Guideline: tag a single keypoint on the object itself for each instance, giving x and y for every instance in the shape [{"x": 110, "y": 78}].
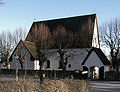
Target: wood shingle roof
[{"x": 31, "y": 47}]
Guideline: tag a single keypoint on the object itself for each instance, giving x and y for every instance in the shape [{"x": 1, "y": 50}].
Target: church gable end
[{"x": 98, "y": 55}]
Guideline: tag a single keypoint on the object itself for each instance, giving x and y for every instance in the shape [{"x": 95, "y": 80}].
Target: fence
[
  {"x": 112, "y": 75},
  {"x": 49, "y": 74}
]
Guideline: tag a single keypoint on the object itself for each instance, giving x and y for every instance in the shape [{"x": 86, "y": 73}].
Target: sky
[{"x": 21, "y": 13}]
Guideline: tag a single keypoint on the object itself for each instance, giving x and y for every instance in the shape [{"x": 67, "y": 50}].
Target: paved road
[{"x": 105, "y": 86}]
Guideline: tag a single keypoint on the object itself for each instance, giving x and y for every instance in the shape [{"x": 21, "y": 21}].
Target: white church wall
[
  {"x": 54, "y": 62},
  {"x": 95, "y": 41},
  {"x": 15, "y": 64},
  {"x": 36, "y": 65},
  {"x": 29, "y": 65},
  {"x": 75, "y": 60}
]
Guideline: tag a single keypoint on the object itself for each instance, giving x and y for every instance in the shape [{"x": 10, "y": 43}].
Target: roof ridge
[
  {"x": 27, "y": 41},
  {"x": 64, "y": 18}
]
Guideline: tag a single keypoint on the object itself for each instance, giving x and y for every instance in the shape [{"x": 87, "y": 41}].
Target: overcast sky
[{"x": 21, "y": 13}]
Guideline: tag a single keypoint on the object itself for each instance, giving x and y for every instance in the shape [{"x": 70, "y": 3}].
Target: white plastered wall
[
  {"x": 95, "y": 40},
  {"x": 36, "y": 65},
  {"x": 93, "y": 60},
  {"x": 15, "y": 63},
  {"x": 75, "y": 60}
]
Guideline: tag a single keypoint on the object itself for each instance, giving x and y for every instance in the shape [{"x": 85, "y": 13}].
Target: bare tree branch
[
  {"x": 42, "y": 40},
  {"x": 1, "y": 2},
  {"x": 8, "y": 42},
  {"x": 110, "y": 36}
]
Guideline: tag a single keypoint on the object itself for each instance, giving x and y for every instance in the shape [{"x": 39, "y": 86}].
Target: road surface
[{"x": 105, "y": 86}]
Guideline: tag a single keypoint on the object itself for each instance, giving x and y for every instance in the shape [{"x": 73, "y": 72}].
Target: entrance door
[
  {"x": 101, "y": 73},
  {"x": 85, "y": 75}
]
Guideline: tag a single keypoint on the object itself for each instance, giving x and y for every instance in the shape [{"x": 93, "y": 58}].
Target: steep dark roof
[
  {"x": 82, "y": 24},
  {"x": 30, "y": 46},
  {"x": 100, "y": 54}
]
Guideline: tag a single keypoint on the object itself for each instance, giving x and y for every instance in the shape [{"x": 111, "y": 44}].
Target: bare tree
[
  {"x": 65, "y": 41},
  {"x": 82, "y": 38},
  {"x": 6, "y": 47},
  {"x": 62, "y": 43},
  {"x": 21, "y": 55},
  {"x": 42, "y": 38},
  {"x": 19, "y": 34},
  {"x": 1, "y": 2},
  {"x": 8, "y": 42},
  {"x": 110, "y": 37}
]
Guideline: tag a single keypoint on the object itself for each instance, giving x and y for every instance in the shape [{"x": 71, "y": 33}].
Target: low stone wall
[{"x": 112, "y": 75}]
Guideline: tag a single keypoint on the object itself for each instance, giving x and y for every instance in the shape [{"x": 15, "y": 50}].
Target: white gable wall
[
  {"x": 93, "y": 60},
  {"x": 95, "y": 41},
  {"x": 28, "y": 63},
  {"x": 15, "y": 64}
]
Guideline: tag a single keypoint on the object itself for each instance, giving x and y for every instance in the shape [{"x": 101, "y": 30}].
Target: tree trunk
[
  {"x": 16, "y": 74},
  {"x": 8, "y": 65},
  {"x": 40, "y": 71},
  {"x": 25, "y": 74},
  {"x": 61, "y": 53},
  {"x": 113, "y": 60}
]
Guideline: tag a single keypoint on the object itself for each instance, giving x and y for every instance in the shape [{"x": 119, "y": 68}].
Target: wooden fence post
[{"x": 16, "y": 74}]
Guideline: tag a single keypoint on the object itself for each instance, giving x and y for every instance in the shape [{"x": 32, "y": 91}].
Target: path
[{"x": 105, "y": 86}]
